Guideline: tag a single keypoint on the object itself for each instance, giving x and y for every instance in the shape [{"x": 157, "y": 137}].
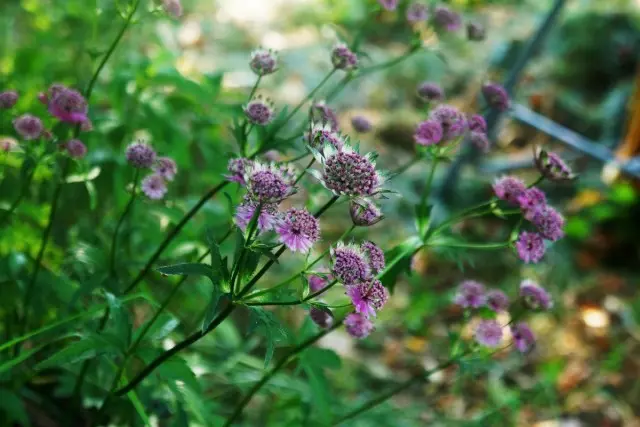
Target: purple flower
[
  {"x": 154, "y": 186},
  {"x": 428, "y": 133},
  {"x": 509, "y": 188},
  {"x": 237, "y": 168},
  {"x": 447, "y": 18},
  {"x": 531, "y": 199},
  {"x": 321, "y": 316},
  {"x": 523, "y": 337},
  {"x": 430, "y": 92},
  {"x": 480, "y": 140},
  {"x": 166, "y": 167},
  {"x": 552, "y": 167},
  {"x": 259, "y": 111},
  {"x": 263, "y": 61},
  {"x": 266, "y": 183},
  {"x": 530, "y": 247},
  {"x": 343, "y": 58},
  {"x": 298, "y": 230},
  {"x": 7, "y": 144},
  {"x": 535, "y": 296},
  {"x": 75, "y": 148},
  {"x": 140, "y": 155},
  {"x": 476, "y": 31},
  {"x": 28, "y": 126},
  {"x": 453, "y": 122},
  {"x": 321, "y": 112},
  {"x": 266, "y": 221},
  {"x": 470, "y": 294},
  {"x": 68, "y": 105},
  {"x": 173, "y": 8},
  {"x": 497, "y": 301},
  {"x": 8, "y": 99},
  {"x": 86, "y": 126},
  {"x": 548, "y": 221},
  {"x": 358, "y": 326},
  {"x": 349, "y": 264},
  {"x": 347, "y": 172},
  {"x": 496, "y": 96},
  {"x": 368, "y": 297},
  {"x": 489, "y": 333},
  {"x": 375, "y": 256},
  {"x": 389, "y": 5},
  {"x": 317, "y": 283},
  {"x": 361, "y": 124},
  {"x": 364, "y": 213},
  {"x": 417, "y": 12},
  {"x": 322, "y": 135},
  {"x": 477, "y": 123}
]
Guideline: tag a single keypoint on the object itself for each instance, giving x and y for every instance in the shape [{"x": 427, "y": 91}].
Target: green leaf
[
  {"x": 93, "y": 194},
  {"x": 266, "y": 324},
  {"x": 13, "y": 407},
  {"x": 120, "y": 320},
  {"x": 213, "y": 308},
  {"x": 163, "y": 326},
  {"x": 423, "y": 217},
  {"x": 86, "y": 347},
  {"x": 313, "y": 361},
  {"x": 252, "y": 259},
  {"x": 177, "y": 369},
  {"x": 192, "y": 268},
  {"x": 214, "y": 249},
  {"x": 83, "y": 177},
  {"x": 24, "y": 355}
]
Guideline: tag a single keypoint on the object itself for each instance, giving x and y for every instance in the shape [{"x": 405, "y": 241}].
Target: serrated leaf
[
  {"x": 214, "y": 250},
  {"x": 267, "y": 325},
  {"x": 192, "y": 268},
  {"x": 252, "y": 259},
  {"x": 267, "y": 253},
  {"x": 213, "y": 308}
]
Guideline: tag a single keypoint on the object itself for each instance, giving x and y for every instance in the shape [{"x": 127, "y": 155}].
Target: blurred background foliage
[{"x": 178, "y": 85}]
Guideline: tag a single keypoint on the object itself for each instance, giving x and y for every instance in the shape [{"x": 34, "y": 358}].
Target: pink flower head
[
  {"x": 166, "y": 167},
  {"x": 431, "y": 92},
  {"x": 453, "y": 122},
  {"x": 317, "y": 283},
  {"x": 364, "y": 213},
  {"x": 343, "y": 58},
  {"x": 75, "y": 148},
  {"x": 477, "y": 123},
  {"x": 447, "y": 18},
  {"x": 361, "y": 124},
  {"x": 154, "y": 186},
  {"x": 489, "y": 333},
  {"x": 28, "y": 126},
  {"x": 497, "y": 301},
  {"x": 375, "y": 256},
  {"x": 322, "y": 113},
  {"x": 531, "y": 199},
  {"x": 266, "y": 221},
  {"x": 535, "y": 296},
  {"x": 480, "y": 140},
  {"x": 470, "y": 294},
  {"x": 68, "y": 105},
  {"x": 358, "y": 326},
  {"x": 237, "y": 167},
  {"x": 259, "y": 111},
  {"x": 530, "y": 247},
  {"x": 323, "y": 134},
  {"x": 350, "y": 264},
  {"x": 347, "y": 172},
  {"x": 509, "y": 188},
  {"x": 417, "y": 12},
  {"x": 263, "y": 61},
  {"x": 267, "y": 183},
  {"x": 321, "y": 316},
  {"x": 298, "y": 230},
  {"x": 428, "y": 132},
  {"x": 552, "y": 167},
  {"x": 172, "y": 8},
  {"x": 548, "y": 221},
  {"x": 389, "y": 5},
  {"x": 140, "y": 155},
  {"x": 496, "y": 96},
  {"x": 368, "y": 297},
  {"x": 7, "y": 144},
  {"x": 8, "y": 99},
  {"x": 523, "y": 337}
]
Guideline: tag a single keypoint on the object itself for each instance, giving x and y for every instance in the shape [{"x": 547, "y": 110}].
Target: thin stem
[
  {"x": 299, "y": 177},
  {"x": 295, "y": 302},
  {"x": 239, "y": 265},
  {"x": 386, "y": 64},
  {"x": 309, "y": 95},
  {"x": 281, "y": 363},
  {"x": 255, "y": 87},
  {"x": 403, "y": 168},
  {"x": 427, "y": 188},
  {"x": 127, "y": 209},
  {"x": 23, "y": 193},
  {"x": 474, "y": 245}
]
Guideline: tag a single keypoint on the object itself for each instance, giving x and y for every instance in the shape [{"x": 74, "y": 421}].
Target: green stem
[
  {"x": 23, "y": 193},
  {"x": 309, "y": 96},
  {"x": 239, "y": 265},
  {"x": 474, "y": 245},
  {"x": 403, "y": 168},
  {"x": 281, "y": 363},
  {"x": 295, "y": 302},
  {"x": 427, "y": 188},
  {"x": 127, "y": 209},
  {"x": 255, "y": 87}
]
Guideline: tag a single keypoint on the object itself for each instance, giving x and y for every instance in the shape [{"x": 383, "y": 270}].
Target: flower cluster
[
  {"x": 259, "y": 111},
  {"x": 141, "y": 155},
  {"x": 320, "y": 112},
  {"x": 343, "y": 58},
  {"x": 496, "y": 96},
  {"x": 263, "y": 62},
  {"x": 323, "y": 134}
]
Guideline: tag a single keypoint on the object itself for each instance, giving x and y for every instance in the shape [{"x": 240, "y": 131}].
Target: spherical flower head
[
  {"x": 364, "y": 213},
  {"x": 28, "y": 126},
  {"x": 343, "y": 58},
  {"x": 358, "y": 326},
  {"x": 259, "y": 111},
  {"x": 548, "y": 221},
  {"x": 497, "y": 301},
  {"x": 68, "y": 105},
  {"x": 477, "y": 123},
  {"x": 509, "y": 188},
  {"x": 347, "y": 172},
  {"x": 368, "y": 297},
  {"x": 7, "y": 144},
  {"x": 166, "y": 167},
  {"x": 470, "y": 294},
  {"x": 430, "y": 92},
  {"x": 453, "y": 122},
  {"x": 428, "y": 132},
  {"x": 375, "y": 255},
  {"x": 530, "y": 247},
  {"x": 266, "y": 183},
  {"x": 173, "y": 8},
  {"x": 531, "y": 199},
  {"x": 322, "y": 113},
  {"x": 523, "y": 337},
  {"x": 237, "y": 167},
  {"x": 140, "y": 155},
  {"x": 266, "y": 221},
  {"x": 298, "y": 230},
  {"x": 263, "y": 61},
  {"x": 496, "y": 96},
  {"x": 447, "y": 18},
  {"x": 317, "y": 283},
  {"x": 321, "y": 316},
  {"x": 552, "y": 167},
  {"x": 349, "y": 264},
  {"x": 488, "y": 333},
  {"x": 535, "y": 296},
  {"x": 476, "y": 31},
  {"x": 389, "y": 5},
  {"x": 361, "y": 124},
  {"x": 75, "y": 148},
  {"x": 86, "y": 126},
  {"x": 417, "y": 12},
  {"x": 480, "y": 140},
  {"x": 8, "y": 99},
  {"x": 154, "y": 186},
  {"x": 323, "y": 134}
]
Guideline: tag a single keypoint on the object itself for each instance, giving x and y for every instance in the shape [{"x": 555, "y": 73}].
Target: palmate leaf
[{"x": 267, "y": 325}]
